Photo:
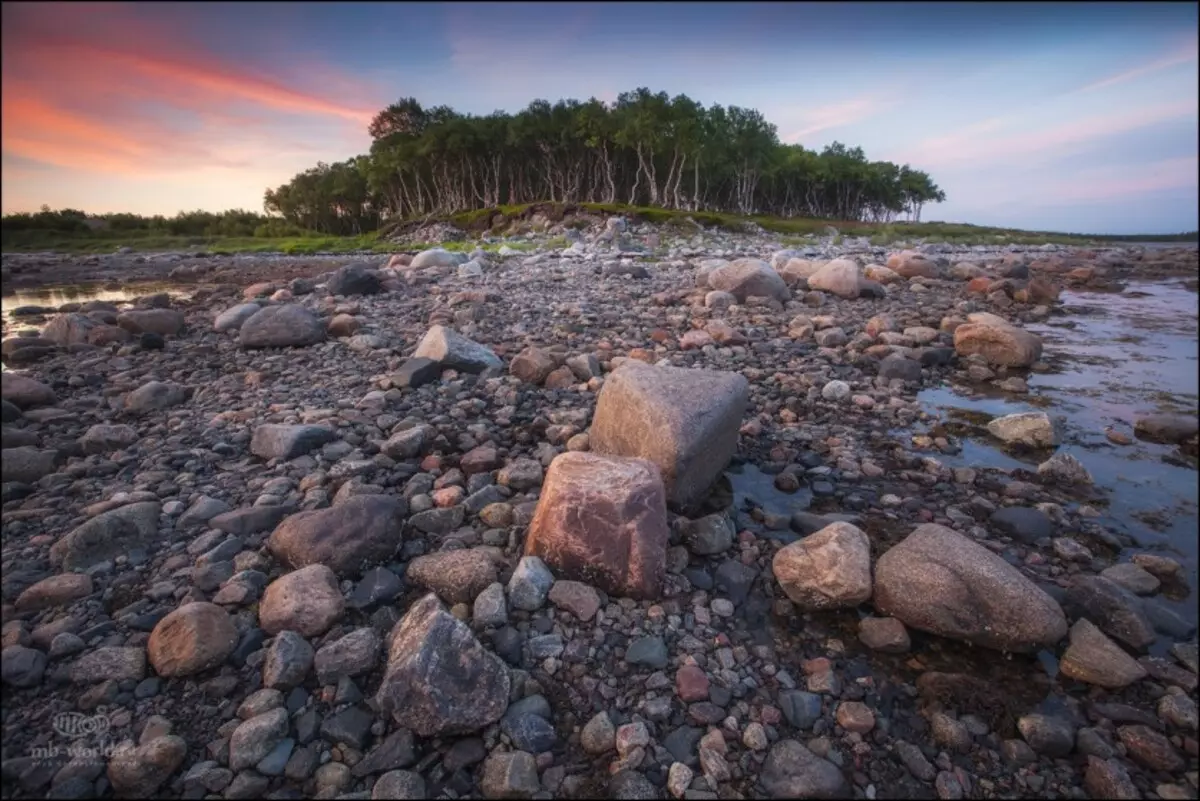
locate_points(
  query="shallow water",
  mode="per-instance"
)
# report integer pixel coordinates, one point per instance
(1115, 356)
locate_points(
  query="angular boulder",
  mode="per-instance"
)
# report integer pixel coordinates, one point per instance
(1032, 429)
(1095, 659)
(364, 530)
(684, 421)
(451, 349)
(745, 278)
(455, 576)
(827, 570)
(839, 277)
(289, 325)
(107, 535)
(191, 639)
(999, 342)
(939, 581)
(602, 521)
(532, 365)
(440, 680)
(354, 279)
(69, 329)
(792, 771)
(277, 441)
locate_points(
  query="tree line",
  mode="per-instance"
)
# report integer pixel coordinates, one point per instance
(235, 222)
(646, 149)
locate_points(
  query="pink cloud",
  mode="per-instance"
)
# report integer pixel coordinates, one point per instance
(96, 87)
(1137, 179)
(972, 143)
(1185, 54)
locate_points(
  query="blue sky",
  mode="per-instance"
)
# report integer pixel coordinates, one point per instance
(1076, 117)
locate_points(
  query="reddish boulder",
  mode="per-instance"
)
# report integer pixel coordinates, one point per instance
(602, 521)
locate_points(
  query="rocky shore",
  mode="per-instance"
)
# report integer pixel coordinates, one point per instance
(642, 517)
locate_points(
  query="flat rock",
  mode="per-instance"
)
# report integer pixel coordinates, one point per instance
(455, 576)
(27, 464)
(347, 538)
(1093, 658)
(107, 535)
(1032, 429)
(1118, 612)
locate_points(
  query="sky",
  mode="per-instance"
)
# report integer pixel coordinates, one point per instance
(1077, 117)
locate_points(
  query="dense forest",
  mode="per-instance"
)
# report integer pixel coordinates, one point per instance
(645, 150)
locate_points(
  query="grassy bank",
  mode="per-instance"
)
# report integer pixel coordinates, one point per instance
(792, 232)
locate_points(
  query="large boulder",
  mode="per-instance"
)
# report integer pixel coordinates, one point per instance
(164, 322)
(24, 392)
(289, 325)
(436, 257)
(998, 341)
(26, 464)
(357, 533)
(440, 681)
(602, 521)
(354, 279)
(939, 581)
(827, 570)
(910, 264)
(685, 421)
(280, 441)
(306, 601)
(451, 349)
(107, 535)
(233, 318)
(745, 278)
(191, 639)
(839, 277)
(1167, 428)
(69, 329)
(797, 270)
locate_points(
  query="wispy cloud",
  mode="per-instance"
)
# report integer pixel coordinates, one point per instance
(835, 115)
(1185, 54)
(972, 143)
